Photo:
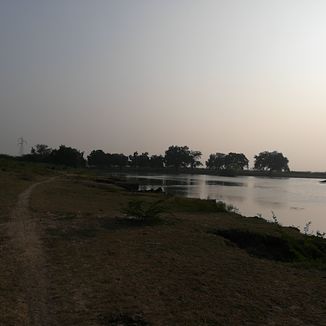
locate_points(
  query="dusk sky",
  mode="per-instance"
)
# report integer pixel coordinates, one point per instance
(218, 76)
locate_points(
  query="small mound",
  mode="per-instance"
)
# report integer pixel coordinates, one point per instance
(283, 248)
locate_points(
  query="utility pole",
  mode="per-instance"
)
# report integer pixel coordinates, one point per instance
(21, 142)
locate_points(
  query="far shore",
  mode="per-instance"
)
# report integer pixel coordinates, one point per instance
(203, 171)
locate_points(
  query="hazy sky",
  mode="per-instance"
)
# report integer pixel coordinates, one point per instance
(218, 76)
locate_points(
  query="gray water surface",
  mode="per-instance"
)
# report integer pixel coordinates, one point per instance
(295, 202)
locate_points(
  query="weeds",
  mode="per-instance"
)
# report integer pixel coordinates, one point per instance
(144, 211)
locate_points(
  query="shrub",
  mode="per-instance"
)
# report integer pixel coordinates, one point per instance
(144, 211)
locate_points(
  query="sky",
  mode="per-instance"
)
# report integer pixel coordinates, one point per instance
(124, 76)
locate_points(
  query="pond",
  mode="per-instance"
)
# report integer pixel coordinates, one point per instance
(294, 201)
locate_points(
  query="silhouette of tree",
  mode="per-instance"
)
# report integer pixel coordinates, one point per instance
(67, 156)
(156, 162)
(139, 161)
(271, 161)
(117, 160)
(97, 158)
(194, 159)
(216, 161)
(181, 157)
(231, 161)
(177, 156)
(41, 150)
(39, 153)
(235, 161)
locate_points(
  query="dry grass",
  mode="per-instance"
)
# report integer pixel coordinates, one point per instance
(103, 272)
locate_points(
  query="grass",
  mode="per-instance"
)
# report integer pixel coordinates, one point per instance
(166, 274)
(283, 247)
(144, 211)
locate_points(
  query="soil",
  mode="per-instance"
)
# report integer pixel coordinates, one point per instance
(67, 260)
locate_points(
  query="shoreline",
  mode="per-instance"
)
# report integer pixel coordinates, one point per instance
(202, 171)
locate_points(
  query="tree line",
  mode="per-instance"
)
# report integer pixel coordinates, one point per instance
(176, 157)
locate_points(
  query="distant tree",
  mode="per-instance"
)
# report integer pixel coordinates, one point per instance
(271, 161)
(156, 161)
(39, 153)
(216, 161)
(117, 160)
(139, 161)
(97, 158)
(194, 159)
(67, 156)
(235, 161)
(41, 150)
(181, 157)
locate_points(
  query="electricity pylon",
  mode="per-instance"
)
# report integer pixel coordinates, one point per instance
(21, 142)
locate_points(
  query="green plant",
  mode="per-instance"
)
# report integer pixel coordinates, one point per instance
(142, 210)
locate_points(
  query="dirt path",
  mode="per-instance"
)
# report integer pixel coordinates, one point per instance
(24, 232)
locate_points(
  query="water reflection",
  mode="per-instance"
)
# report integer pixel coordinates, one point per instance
(293, 201)
(225, 183)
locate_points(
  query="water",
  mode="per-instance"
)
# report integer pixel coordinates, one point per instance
(295, 202)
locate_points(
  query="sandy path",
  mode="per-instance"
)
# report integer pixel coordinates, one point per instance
(24, 232)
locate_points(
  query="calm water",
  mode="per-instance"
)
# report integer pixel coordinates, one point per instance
(293, 201)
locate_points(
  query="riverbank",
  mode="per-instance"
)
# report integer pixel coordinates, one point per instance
(190, 262)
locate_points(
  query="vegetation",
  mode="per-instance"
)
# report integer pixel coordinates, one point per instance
(144, 211)
(175, 157)
(182, 157)
(282, 247)
(100, 159)
(231, 161)
(271, 161)
(64, 155)
(174, 273)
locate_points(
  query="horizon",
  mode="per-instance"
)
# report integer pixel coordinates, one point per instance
(123, 77)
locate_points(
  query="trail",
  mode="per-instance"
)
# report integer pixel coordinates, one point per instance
(24, 233)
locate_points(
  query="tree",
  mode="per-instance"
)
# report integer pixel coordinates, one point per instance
(156, 162)
(115, 159)
(97, 158)
(182, 157)
(67, 156)
(235, 161)
(271, 161)
(231, 161)
(39, 153)
(41, 150)
(139, 161)
(216, 161)
(194, 159)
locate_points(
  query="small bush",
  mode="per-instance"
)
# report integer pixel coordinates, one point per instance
(144, 211)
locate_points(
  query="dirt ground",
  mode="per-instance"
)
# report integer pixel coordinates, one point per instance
(66, 261)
